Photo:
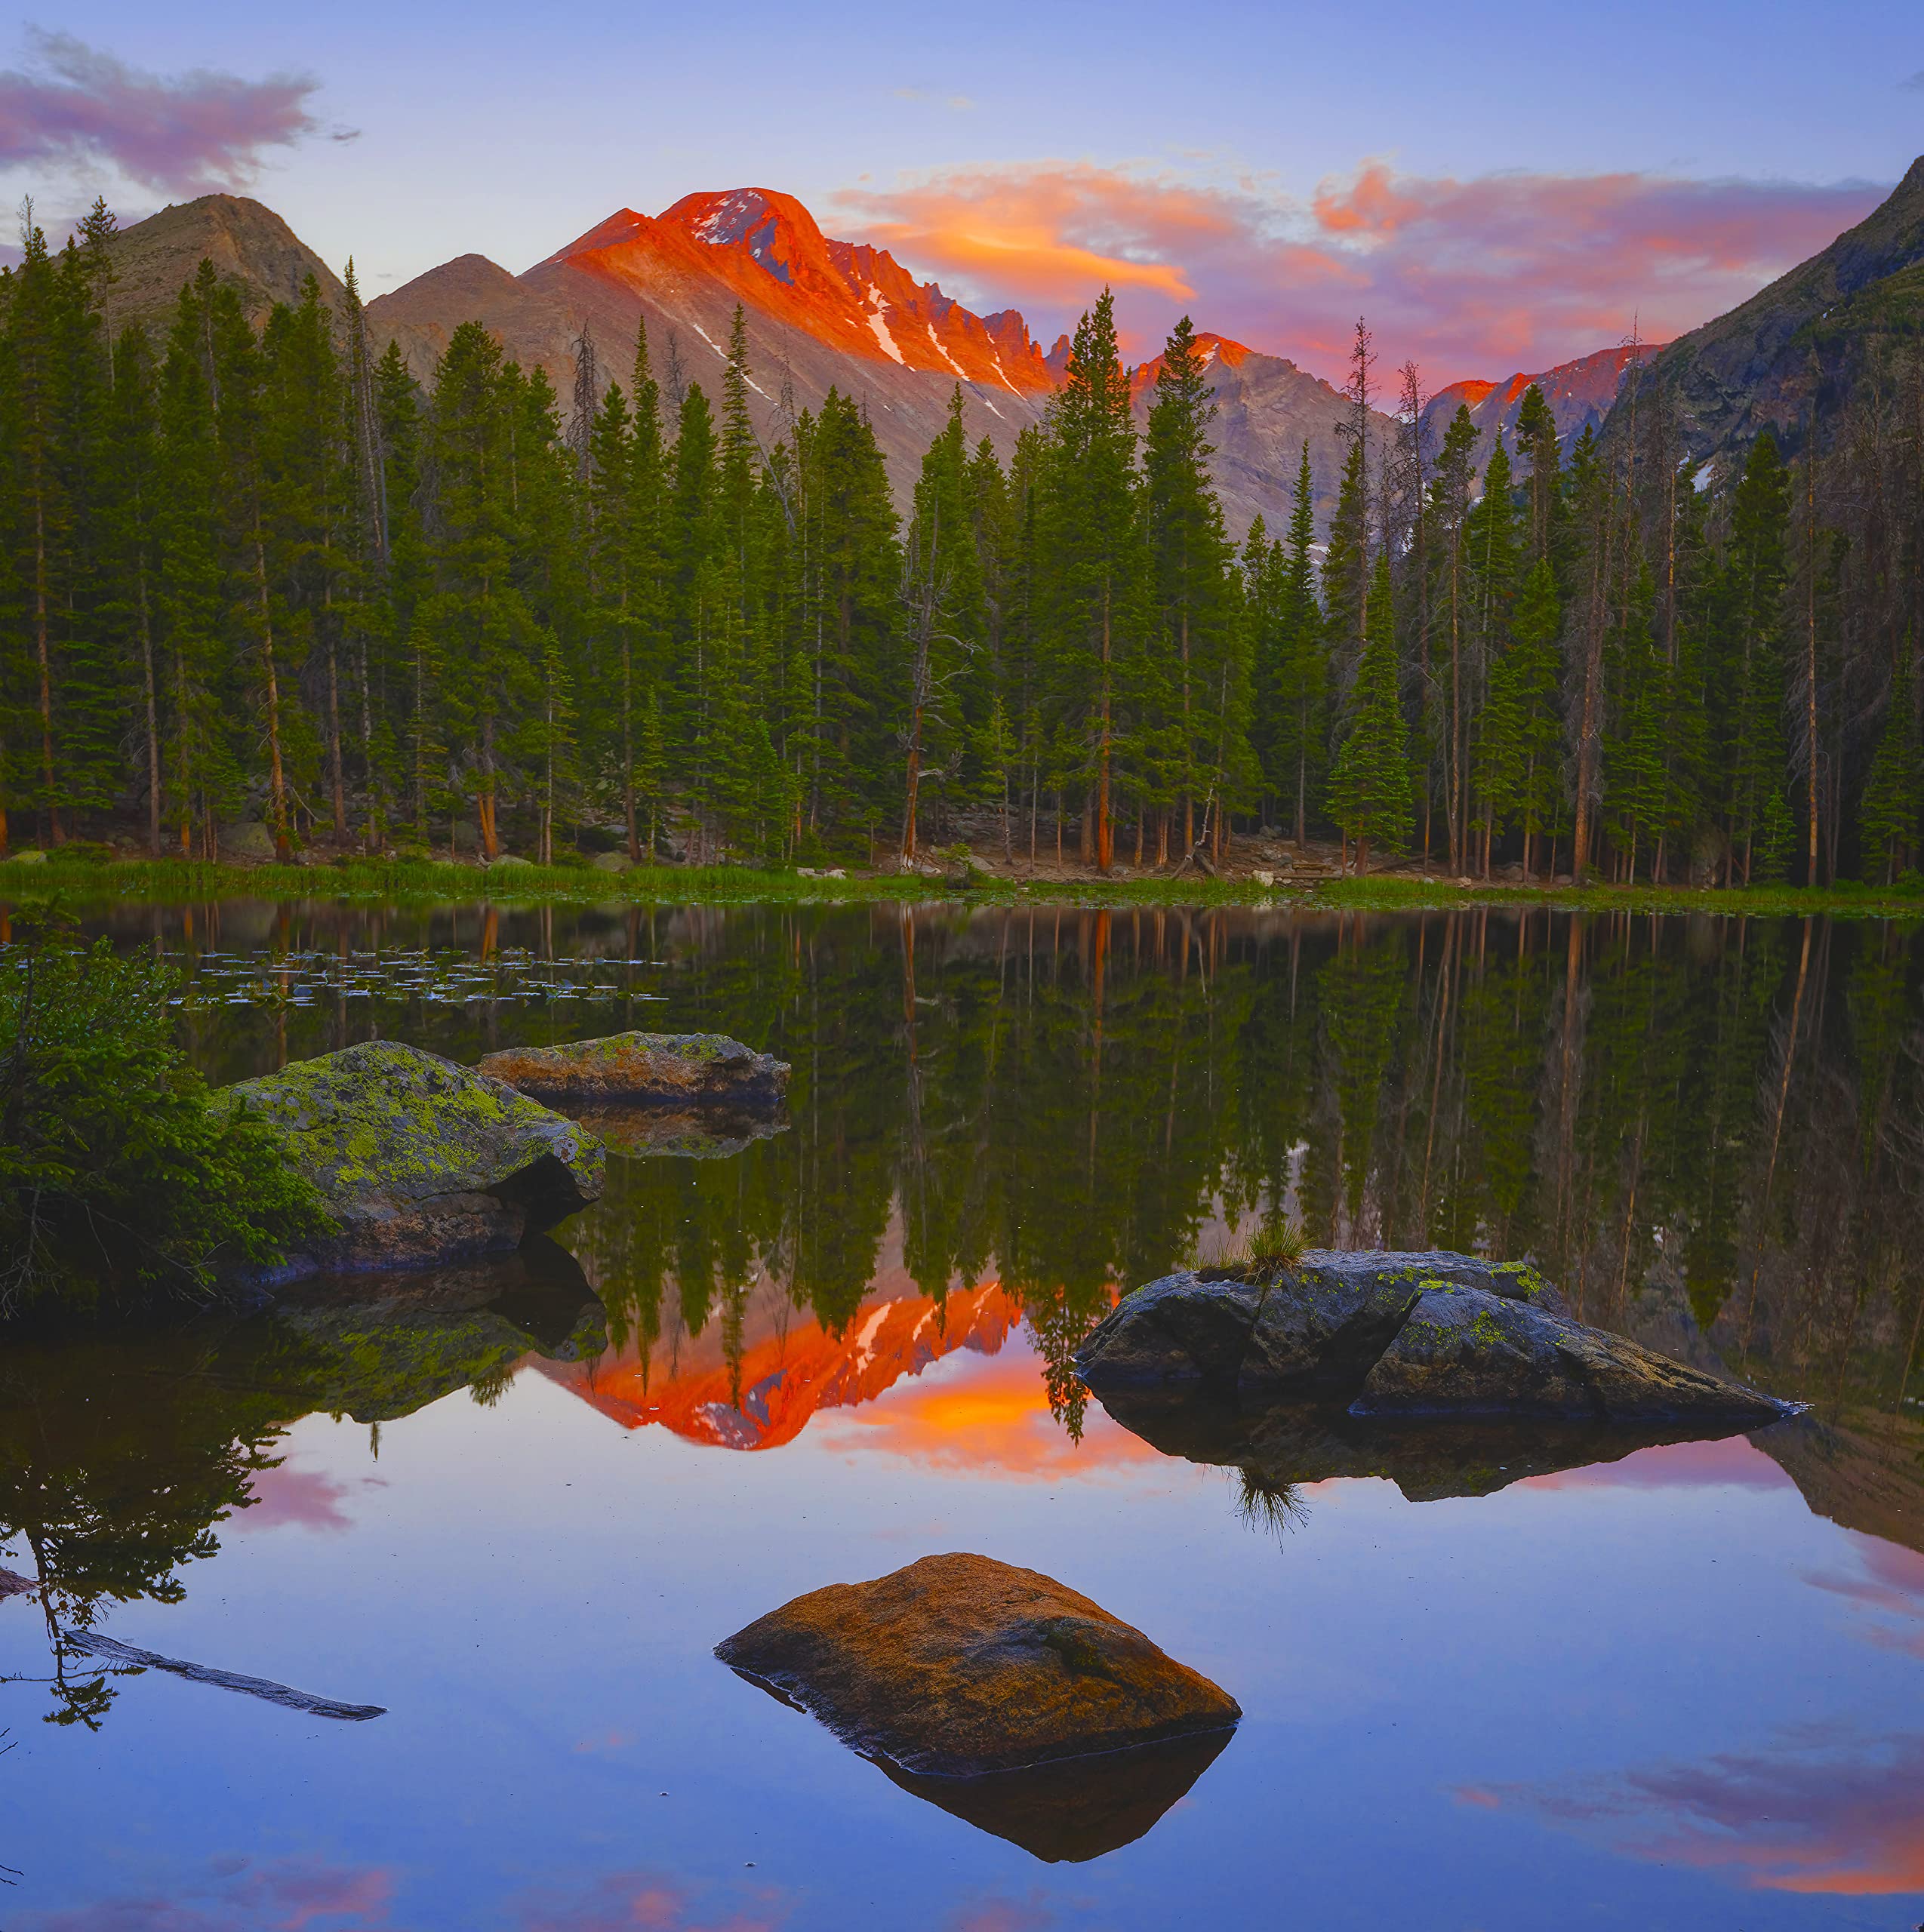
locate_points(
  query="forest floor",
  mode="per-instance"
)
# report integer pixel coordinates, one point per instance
(1264, 873)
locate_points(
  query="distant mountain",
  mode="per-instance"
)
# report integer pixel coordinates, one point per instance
(820, 313)
(250, 246)
(1579, 393)
(1265, 409)
(1810, 340)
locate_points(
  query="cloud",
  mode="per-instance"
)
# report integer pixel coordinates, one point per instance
(1914, 83)
(1480, 277)
(1822, 1812)
(644, 1901)
(285, 1895)
(189, 134)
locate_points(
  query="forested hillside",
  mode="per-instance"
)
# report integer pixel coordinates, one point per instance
(264, 589)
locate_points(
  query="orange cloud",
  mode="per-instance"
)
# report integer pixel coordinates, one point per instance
(1478, 276)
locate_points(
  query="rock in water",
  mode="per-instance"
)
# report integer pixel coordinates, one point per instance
(419, 1160)
(1406, 1334)
(959, 1666)
(656, 1069)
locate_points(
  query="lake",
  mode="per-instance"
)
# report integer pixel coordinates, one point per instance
(1485, 1686)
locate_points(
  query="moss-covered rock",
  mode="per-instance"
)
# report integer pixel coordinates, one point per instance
(650, 1070)
(419, 1160)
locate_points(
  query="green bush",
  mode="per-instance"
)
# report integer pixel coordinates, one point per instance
(121, 1172)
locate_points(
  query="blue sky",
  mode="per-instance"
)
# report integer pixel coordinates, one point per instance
(1731, 140)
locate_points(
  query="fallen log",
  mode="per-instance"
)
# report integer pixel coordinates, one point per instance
(92, 1644)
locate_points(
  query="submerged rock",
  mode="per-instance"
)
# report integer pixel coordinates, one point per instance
(419, 1160)
(958, 1666)
(1400, 1335)
(656, 1069)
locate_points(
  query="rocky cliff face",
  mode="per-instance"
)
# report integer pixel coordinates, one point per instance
(1807, 343)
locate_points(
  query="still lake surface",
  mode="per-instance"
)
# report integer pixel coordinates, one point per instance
(518, 1505)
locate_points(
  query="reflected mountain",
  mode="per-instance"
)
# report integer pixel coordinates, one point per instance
(1077, 1808)
(754, 1381)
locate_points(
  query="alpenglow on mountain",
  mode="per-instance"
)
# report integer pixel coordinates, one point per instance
(820, 313)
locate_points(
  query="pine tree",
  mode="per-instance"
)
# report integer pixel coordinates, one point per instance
(1091, 532)
(1887, 815)
(1370, 787)
(1200, 648)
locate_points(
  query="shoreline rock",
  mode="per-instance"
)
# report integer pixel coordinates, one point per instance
(1400, 1335)
(421, 1162)
(959, 1667)
(680, 1070)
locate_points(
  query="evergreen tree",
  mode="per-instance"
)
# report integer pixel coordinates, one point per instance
(1370, 787)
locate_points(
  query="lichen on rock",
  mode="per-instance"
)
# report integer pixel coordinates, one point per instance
(420, 1160)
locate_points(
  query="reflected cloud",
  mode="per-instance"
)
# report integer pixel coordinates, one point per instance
(308, 1497)
(1890, 1584)
(647, 1901)
(1825, 1811)
(289, 1895)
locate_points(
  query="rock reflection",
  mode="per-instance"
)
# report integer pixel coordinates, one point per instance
(1077, 1808)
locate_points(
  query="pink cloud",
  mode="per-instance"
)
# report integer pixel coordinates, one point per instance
(643, 1901)
(1890, 1584)
(1822, 1812)
(283, 1494)
(189, 134)
(1474, 277)
(289, 1895)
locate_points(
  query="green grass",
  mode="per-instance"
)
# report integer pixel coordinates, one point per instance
(172, 881)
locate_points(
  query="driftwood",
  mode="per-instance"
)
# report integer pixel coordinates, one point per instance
(14, 1584)
(93, 1644)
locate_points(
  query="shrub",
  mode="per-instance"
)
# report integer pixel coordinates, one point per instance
(121, 1172)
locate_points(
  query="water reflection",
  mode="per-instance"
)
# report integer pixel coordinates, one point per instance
(123, 1451)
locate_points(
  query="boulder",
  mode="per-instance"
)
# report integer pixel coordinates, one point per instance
(683, 1132)
(680, 1070)
(247, 838)
(612, 862)
(1400, 1334)
(419, 1160)
(959, 1666)
(32, 856)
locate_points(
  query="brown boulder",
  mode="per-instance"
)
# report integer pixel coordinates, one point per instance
(650, 1070)
(959, 1666)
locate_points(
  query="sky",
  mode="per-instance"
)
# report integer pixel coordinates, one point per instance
(1497, 188)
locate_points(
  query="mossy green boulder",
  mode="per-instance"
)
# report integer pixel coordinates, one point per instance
(419, 1160)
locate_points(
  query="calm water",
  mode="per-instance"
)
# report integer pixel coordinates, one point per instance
(1683, 1687)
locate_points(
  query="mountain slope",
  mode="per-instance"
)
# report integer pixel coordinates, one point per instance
(1579, 393)
(820, 314)
(1794, 344)
(249, 245)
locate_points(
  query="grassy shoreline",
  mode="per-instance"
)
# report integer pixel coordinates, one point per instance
(168, 882)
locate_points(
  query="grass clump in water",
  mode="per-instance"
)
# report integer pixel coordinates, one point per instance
(1270, 1250)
